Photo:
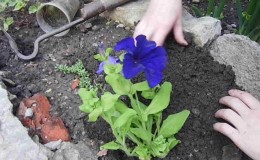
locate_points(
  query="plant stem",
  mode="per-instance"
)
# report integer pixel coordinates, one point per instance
(141, 111)
(133, 138)
(118, 138)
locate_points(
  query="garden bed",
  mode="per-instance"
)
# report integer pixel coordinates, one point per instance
(198, 82)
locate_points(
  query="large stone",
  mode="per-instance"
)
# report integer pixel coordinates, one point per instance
(203, 30)
(243, 55)
(130, 13)
(70, 151)
(15, 142)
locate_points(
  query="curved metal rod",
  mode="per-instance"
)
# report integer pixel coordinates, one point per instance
(90, 10)
(15, 49)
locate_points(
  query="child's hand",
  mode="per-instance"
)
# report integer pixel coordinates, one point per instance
(161, 17)
(244, 115)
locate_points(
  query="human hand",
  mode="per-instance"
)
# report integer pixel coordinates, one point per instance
(161, 17)
(244, 115)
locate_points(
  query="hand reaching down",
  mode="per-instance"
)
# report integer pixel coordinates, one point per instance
(161, 17)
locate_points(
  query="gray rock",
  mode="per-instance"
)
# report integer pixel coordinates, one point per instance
(28, 112)
(128, 14)
(44, 149)
(203, 30)
(70, 151)
(231, 152)
(244, 56)
(84, 27)
(53, 145)
(15, 142)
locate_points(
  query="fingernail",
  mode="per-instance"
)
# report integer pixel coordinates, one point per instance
(185, 43)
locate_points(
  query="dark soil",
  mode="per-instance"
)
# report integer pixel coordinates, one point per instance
(198, 82)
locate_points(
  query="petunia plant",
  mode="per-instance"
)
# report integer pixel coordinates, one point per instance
(138, 127)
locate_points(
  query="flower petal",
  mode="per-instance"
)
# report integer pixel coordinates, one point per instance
(127, 44)
(100, 68)
(112, 60)
(153, 76)
(154, 64)
(144, 46)
(157, 58)
(130, 68)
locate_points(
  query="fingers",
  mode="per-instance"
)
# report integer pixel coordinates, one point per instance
(178, 33)
(228, 131)
(159, 36)
(236, 104)
(245, 97)
(141, 28)
(231, 117)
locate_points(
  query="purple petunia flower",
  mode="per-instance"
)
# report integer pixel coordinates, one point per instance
(111, 60)
(144, 56)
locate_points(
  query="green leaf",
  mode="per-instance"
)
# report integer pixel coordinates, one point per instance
(141, 133)
(2, 6)
(161, 99)
(148, 94)
(108, 100)
(124, 118)
(19, 5)
(34, 8)
(85, 108)
(121, 57)
(86, 96)
(121, 107)
(119, 84)
(159, 146)
(142, 152)
(100, 57)
(7, 22)
(173, 123)
(118, 68)
(197, 11)
(219, 9)
(111, 146)
(172, 142)
(210, 7)
(108, 51)
(112, 68)
(141, 86)
(11, 3)
(93, 116)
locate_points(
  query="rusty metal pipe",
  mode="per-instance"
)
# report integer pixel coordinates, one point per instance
(88, 11)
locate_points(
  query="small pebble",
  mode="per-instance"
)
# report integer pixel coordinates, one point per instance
(95, 45)
(234, 25)
(95, 28)
(28, 112)
(127, 28)
(195, 1)
(120, 26)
